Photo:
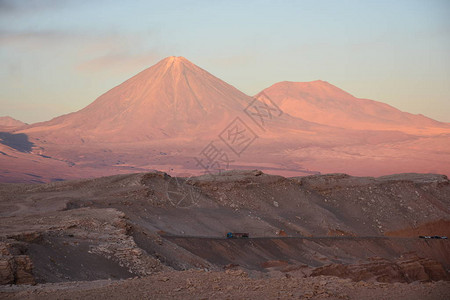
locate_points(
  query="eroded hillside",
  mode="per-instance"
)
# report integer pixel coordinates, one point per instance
(140, 224)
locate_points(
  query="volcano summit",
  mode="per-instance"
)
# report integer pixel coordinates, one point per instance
(165, 116)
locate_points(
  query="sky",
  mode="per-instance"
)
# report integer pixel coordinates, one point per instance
(57, 56)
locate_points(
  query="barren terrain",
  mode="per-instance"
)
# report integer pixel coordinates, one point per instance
(169, 115)
(152, 235)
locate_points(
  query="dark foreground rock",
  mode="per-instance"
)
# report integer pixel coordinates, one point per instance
(120, 227)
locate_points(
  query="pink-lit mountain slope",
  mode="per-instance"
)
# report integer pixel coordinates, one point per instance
(170, 99)
(164, 118)
(324, 103)
(8, 122)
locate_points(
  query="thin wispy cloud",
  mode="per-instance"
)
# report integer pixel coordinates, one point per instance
(94, 51)
(118, 62)
(35, 38)
(15, 7)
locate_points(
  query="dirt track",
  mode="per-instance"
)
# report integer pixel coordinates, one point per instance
(231, 284)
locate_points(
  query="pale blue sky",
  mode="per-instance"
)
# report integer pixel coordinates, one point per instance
(58, 56)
